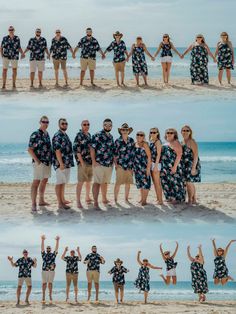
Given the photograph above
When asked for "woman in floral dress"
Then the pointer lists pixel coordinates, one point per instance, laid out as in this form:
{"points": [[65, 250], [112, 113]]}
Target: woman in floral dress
{"points": [[170, 265], [199, 60], [139, 63], [221, 273], [142, 166], [172, 170], [199, 276], [225, 57], [143, 281], [191, 161]]}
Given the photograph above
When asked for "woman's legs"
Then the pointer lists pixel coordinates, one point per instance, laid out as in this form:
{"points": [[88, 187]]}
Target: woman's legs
{"points": [[127, 189], [166, 279], [122, 294], [168, 67], [157, 185], [190, 190], [145, 297], [228, 75], [117, 76], [145, 79], [216, 281], [220, 76], [144, 195], [164, 71], [116, 191], [137, 79]]}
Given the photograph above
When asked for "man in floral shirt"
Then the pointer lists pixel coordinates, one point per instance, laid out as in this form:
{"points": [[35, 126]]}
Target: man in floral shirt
{"points": [[81, 149], [37, 47], [124, 154], [48, 267], [62, 161], [10, 49], [25, 264], [93, 261], [120, 50], [72, 271], [89, 47], [40, 150], [58, 49], [102, 153]]}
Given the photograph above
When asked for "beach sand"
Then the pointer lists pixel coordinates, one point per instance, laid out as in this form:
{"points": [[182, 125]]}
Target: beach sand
{"points": [[177, 307], [217, 204]]}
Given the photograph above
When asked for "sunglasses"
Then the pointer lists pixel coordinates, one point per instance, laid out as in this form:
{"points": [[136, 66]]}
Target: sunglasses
{"points": [[171, 133], [125, 130], [86, 124], [64, 123], [58, 32], [25, 252], [11, 30], [108, 124], [45, 122], [199, 37], [48, 249], [141, 135], [165, 37], [152, 132], [185, 130]]}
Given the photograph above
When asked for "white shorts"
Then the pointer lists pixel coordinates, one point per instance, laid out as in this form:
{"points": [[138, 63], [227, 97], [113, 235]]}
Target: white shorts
{"points": [[48, 276], [41, 171], [6, 62], [167, 59], [171, 272], [62, 176], [34, 64]]}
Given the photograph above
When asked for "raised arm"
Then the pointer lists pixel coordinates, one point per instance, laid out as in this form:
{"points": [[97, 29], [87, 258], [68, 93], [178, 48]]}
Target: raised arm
{"points": [[10, 258], [57, 243], [158, 50], [35, 262], [102, 260], [189, 254], [227, 247], [162, 253], [64, 253], [138, 258], [176, 250], [43, 243], [214, 247]]}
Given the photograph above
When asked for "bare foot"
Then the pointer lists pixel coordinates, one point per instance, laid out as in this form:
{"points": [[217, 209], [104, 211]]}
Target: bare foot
{"points": [[44, 204], [89, 201], [96, 206], [79, 205]]}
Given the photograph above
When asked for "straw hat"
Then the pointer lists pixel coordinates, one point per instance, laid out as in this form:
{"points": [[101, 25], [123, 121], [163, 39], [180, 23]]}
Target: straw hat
{"points": [[118, 261], [117, 33], [125, 126]]}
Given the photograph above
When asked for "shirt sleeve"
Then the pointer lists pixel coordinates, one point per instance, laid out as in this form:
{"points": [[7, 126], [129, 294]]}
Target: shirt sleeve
{"points": [[65, 258], [17, 263], [32, 140], [94, 141], [43, 254], [125, 270], [112, 270], [97, 46], [57, 143], [79, 45], [86, 258], [68, 46], [51, 48], [77, 145], [45, 44], [18, 41], [116, 148], [29, 46], [110, 47]]}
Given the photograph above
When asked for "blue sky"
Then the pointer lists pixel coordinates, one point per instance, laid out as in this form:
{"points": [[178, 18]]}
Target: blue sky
{"points": [[182, 19]]}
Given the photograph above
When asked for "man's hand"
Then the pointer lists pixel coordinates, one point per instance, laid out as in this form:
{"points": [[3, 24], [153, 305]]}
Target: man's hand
{"points": [[62, 167], [43, 237]]}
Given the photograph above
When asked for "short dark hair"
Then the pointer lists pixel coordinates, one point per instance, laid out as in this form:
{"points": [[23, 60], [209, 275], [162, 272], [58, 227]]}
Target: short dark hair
{"points": [[89, 29], [107, 120], [60, 120]]}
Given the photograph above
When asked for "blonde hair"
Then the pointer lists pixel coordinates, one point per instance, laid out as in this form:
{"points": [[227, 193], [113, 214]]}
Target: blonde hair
{"points": [[158, 133], [43, 117], [203, 38], [191, 131], [225, 34], [175, 133]]}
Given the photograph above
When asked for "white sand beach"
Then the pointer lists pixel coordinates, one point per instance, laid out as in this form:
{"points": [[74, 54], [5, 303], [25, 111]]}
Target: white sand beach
{"points": [[217, 204], [180, 307]]}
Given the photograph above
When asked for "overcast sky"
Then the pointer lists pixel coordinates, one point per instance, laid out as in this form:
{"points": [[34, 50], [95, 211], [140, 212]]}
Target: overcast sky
{"points": [[182, 19]]}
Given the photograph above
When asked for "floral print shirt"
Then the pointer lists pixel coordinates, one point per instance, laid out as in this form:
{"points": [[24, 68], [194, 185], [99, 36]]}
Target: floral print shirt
{"points": [[10, 47], [59, 48], [104, 147], [72, 264], [94, 261], [49, 261], [118, 274], [119, 49], [124, 153], [40, 142], [61, 141], [37, 48], [81, 145], [89, 47], [24, 265]]}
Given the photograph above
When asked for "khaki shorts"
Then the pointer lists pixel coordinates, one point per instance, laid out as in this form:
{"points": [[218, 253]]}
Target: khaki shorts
{"points": [[59, 62], [41, 171], [6, 62], [35, 64], [62, 176], [48, 276], [85, 173], [119, 66], [93, 275], [87, 63], [27, 280], [102, 174], [70, 278], [123, 176]]}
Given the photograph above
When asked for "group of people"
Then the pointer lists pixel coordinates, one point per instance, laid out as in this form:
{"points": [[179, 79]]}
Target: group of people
{"points": [[93, 261], [173, 167], [11, 48]]}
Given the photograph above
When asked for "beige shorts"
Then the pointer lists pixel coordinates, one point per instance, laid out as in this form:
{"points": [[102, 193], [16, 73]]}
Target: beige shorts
{"points": [[35, 64], [57, 64], [87, 63], [93, 275], [48, 276], [41, 171], [72, 278], [102, 174], [85, 173], [27, 280], [6, 62], [123, 176], [62, 176], [119, 66]]}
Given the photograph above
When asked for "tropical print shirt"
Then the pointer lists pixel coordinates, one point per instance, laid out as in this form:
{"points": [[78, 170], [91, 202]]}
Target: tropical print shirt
{"points": [[89, 47], [124, 153], [94, 261], [72, 264], [24, 265], [61, 141], [37, 48], [10, 47], [49, 261], [41, 144], [118, 274], [119, 49], [59, 48], [104, 147], [81, 145]]}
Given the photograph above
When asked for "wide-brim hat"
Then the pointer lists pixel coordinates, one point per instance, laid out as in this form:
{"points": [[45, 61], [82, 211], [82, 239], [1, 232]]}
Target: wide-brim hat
{"points": [[118, 261], [125, 126], [117, 33]]}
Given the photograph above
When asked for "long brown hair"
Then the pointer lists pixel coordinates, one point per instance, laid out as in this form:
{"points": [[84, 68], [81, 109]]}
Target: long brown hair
{"points": [[174, 131], [190, 129], [158, 133]]}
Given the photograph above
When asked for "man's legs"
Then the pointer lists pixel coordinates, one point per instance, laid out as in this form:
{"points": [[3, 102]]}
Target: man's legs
{"points": [[40, 76], [28, 291], [14, 75], [65, 76], [56, 71], [78, 194], [88, 189], [32, 75], [97, 290], [42, 188], [91, 76], [34, 191], [58, 189], [116, 191], [50, 290], [44, 287], [82, 74], [96, 189], [4, 78], [104, 187], [89, 290], [18, 293]]}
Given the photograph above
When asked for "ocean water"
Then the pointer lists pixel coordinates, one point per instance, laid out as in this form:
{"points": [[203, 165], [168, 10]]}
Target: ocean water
{"points": [[218, 161], [182, 291], [180, 67]]}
